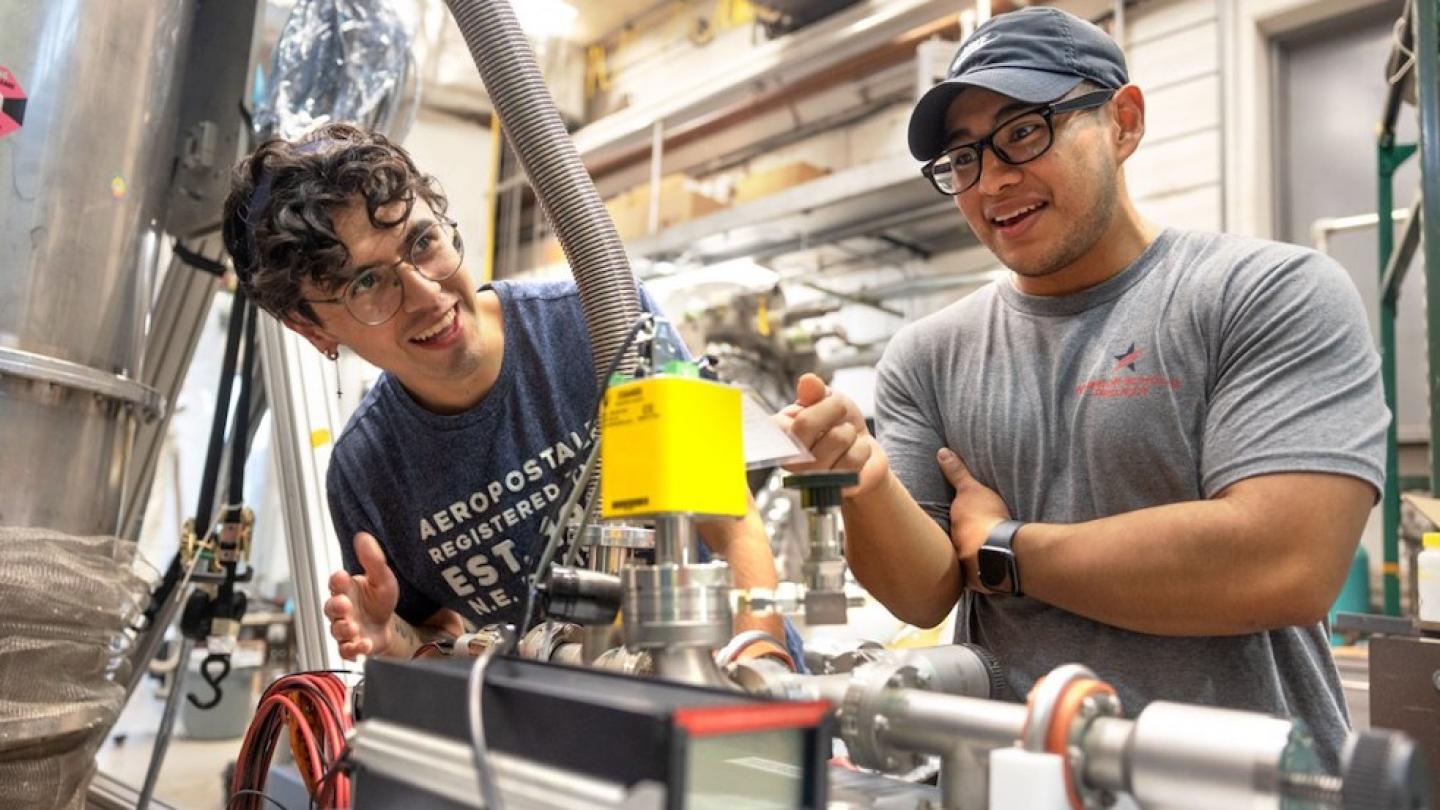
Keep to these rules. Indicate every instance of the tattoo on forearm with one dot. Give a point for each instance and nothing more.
(412, 637)
(405, 633)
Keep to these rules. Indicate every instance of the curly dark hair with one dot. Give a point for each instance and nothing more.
(293, 237)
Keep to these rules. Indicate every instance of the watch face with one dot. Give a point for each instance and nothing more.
(994, 567)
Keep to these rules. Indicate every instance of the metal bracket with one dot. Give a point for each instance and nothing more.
(1393, 155)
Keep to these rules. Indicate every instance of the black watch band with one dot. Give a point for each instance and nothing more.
(999, 571)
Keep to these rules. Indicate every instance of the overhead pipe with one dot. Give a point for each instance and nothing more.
(527, 112)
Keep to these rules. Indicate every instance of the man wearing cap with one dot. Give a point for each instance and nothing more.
(444, 481)
(1148, 450)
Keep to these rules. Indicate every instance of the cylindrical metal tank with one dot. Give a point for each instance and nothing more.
(82, 185)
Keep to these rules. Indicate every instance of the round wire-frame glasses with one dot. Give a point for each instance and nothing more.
(375, 295)
(1018, 140)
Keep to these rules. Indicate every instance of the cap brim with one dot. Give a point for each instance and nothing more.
(927, 122)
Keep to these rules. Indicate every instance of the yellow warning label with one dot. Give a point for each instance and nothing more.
(319, 438)
(672, 445)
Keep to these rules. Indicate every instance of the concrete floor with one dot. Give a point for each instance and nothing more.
(192, 777)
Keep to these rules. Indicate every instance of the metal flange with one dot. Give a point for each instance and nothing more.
(863, 724)
(617, 535)
(38, 367)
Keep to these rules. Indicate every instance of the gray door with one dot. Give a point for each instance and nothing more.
(1331, 84)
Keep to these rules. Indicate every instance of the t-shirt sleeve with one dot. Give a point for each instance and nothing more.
(414, 607)
(907, 424)
(1296, 378)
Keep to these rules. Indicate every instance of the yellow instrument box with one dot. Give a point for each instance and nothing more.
(672, 445)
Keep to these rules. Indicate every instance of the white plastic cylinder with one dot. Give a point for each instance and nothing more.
(1427, 565)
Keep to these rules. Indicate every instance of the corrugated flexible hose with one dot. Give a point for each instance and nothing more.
(527, 112)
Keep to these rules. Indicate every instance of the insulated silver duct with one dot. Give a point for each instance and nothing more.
(532, 121)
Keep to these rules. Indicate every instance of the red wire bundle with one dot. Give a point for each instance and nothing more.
(311, 705)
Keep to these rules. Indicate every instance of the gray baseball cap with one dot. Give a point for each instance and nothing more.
(1036, 54)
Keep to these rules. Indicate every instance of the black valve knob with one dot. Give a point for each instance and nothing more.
(821, 490)
(1384, 770)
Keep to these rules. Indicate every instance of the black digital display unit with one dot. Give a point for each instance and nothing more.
(709, 748)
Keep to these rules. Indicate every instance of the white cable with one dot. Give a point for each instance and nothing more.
(737, 645)
(489, 792)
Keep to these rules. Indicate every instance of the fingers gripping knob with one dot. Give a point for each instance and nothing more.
(821, 490)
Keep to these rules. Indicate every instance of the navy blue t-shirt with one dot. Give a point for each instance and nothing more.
(462, 503)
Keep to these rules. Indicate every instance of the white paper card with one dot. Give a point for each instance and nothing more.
(766, 443)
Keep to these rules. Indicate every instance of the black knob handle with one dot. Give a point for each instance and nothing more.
(819, 490)
(1384, 770)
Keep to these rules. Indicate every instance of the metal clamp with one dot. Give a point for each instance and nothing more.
(740, 642)
(614, 535)
(1061, 709)
(191, 543)
(864, 726)
(770, 678)
(38, 367)
(488, 639)
(544, 639)
(630, 662)
(1043, 700)
(1096, 699)
(233, 544)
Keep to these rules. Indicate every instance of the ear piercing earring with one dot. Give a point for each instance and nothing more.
(334, 356)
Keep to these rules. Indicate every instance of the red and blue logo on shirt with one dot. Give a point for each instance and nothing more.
(1130, 385)
(1127, 359)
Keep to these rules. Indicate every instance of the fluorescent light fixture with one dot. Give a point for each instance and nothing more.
(546, 19)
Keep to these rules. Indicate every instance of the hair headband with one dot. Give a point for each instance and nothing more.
(260, 199)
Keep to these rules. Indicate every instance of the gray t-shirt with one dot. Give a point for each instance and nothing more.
(1211, 359)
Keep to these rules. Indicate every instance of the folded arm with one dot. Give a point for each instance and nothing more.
(1267, 552)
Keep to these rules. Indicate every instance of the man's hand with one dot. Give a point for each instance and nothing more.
(831, 427)
(975, 511)
(361, 608)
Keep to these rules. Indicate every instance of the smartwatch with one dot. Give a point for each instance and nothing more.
(996, 559)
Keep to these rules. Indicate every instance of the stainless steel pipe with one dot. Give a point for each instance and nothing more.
(83, 184)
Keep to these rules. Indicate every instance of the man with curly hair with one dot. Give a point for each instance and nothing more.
(443, 483)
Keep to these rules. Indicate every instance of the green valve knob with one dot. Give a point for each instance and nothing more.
(821, 490)
(680, 368)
